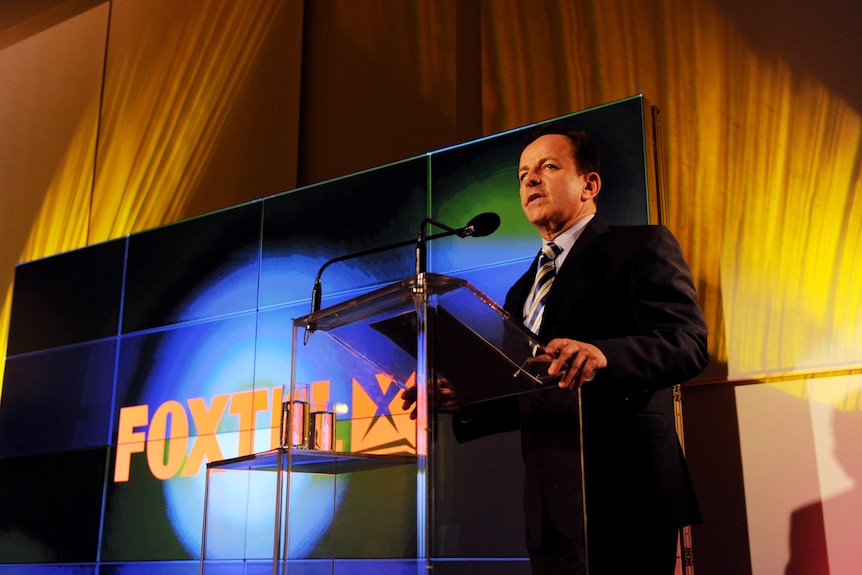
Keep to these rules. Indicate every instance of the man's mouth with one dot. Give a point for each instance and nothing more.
(534, 196)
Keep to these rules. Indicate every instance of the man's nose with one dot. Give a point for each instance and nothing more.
(532, 179)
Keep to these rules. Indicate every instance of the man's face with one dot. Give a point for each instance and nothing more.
(553, 194)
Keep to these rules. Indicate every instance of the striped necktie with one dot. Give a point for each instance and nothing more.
(542, 285)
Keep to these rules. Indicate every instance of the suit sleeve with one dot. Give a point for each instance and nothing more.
(669, 342)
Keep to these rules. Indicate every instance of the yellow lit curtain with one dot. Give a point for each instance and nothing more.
(763, 162)
(174, 72)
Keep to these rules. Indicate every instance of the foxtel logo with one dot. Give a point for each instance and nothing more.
(166, 444)
(163, 437)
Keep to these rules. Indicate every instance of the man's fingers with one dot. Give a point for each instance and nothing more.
(577, 361)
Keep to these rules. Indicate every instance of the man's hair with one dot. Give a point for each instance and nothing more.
(586, 153)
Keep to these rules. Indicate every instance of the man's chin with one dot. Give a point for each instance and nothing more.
(535, 215)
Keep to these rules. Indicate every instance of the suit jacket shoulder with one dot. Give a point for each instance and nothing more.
(629, 291)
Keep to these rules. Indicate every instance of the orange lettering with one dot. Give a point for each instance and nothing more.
(246, 404)
(206, 444)
(275, 418)
(166, 450)
(129, 441)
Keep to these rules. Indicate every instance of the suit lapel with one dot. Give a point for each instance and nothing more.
(567, 290)
(563, 292)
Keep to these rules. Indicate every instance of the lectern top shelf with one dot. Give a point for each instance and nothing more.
(380, 301)
(311, 461)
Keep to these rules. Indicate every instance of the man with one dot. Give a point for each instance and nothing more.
(622, 325)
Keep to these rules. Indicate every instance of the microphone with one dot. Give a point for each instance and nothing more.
(481, 225)
(484, 224)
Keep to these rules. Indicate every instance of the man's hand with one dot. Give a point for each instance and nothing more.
(445, 396)
(583, 359)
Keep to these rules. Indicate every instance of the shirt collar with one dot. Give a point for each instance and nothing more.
(568, 238)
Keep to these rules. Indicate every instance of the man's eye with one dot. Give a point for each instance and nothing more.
(550, 166)
(522, 176)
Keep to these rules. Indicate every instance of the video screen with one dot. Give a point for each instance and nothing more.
(135, 363)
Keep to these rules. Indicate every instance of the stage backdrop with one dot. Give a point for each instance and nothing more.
(132, 363)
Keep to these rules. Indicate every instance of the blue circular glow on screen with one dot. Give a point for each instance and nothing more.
(226, 356)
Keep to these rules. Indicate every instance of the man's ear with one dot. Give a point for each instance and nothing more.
(592, 186)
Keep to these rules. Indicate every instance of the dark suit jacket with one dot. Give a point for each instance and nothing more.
(627, 290)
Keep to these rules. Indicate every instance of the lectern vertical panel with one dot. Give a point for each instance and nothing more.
(426, 329)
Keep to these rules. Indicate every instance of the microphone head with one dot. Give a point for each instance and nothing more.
(484, 224)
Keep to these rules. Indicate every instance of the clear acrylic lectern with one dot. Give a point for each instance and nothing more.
(435, 335)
